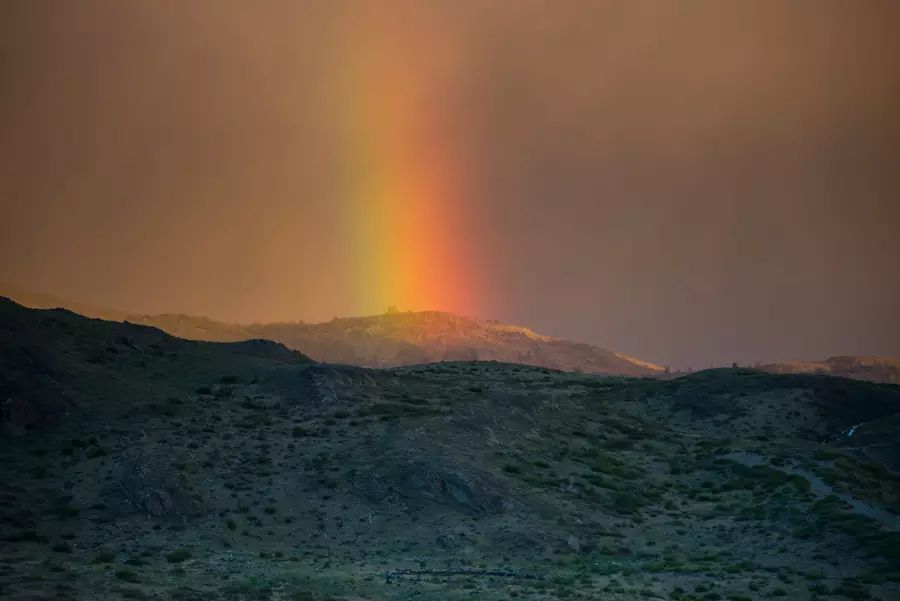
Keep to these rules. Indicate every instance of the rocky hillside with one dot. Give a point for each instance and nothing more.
(158, 468)
(875, 369)
(396, 339)
(389, 340)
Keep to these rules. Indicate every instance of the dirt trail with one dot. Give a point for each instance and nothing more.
(820, 487)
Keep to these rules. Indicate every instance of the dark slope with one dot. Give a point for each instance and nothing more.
(838, 402)
(54, 361)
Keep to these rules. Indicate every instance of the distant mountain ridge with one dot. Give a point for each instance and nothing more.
(402, 338)
(875, 369)
(389, 340)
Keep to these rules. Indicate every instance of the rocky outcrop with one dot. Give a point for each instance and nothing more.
(419, 486)
(147, 488)
(456, 489)
(318, 384)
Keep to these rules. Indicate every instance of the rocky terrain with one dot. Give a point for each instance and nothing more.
(136, 465)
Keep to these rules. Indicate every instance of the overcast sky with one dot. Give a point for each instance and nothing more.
(689, 181)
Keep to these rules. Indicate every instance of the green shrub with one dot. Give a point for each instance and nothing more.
(626, 502)
(127, 575)
(104, 556)
(178, 556)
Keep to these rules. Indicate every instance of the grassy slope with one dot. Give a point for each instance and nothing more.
(202, 471)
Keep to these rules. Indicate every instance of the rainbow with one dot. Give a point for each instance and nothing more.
(401, 171)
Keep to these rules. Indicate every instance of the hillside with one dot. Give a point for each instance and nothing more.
(54, 362)
(875, 369)
(397, 339)
(42, 300)
(388, 340)
(158, 468)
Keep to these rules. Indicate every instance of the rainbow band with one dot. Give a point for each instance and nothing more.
(401, 171)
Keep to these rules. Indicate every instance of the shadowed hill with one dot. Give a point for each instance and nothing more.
(840, 400)
(858, 415)
(41, 300)
(176, 469)
(387, 340)
(54, 361)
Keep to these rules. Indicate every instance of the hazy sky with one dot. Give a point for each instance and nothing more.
(690, 182)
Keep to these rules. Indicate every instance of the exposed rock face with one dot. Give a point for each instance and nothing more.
(457, 489)
(147, 488)
(419, 486)
(447, 541)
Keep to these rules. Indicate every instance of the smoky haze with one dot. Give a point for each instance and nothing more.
(690, 182)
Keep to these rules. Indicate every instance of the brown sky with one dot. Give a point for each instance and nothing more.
(690, 181)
